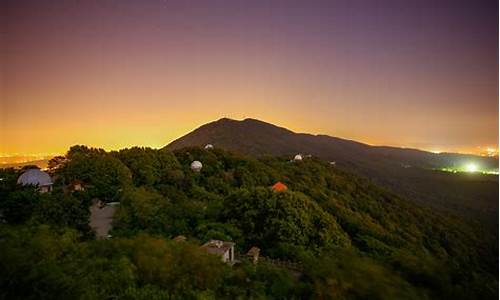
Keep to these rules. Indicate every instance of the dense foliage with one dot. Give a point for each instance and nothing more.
(352, 239)
(407, 172)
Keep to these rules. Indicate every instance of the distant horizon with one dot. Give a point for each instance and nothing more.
(21, 157)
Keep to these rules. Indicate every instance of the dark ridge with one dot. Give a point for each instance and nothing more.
(408, 172)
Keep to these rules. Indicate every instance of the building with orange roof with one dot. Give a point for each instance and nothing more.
(279, 187)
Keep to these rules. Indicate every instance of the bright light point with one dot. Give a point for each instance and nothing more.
(471, 168)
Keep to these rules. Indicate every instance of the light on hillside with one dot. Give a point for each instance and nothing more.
(471, 168)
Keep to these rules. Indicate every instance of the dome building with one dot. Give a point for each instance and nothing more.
(209, 146)
(196, 166)
(36, 178)
(297, 157)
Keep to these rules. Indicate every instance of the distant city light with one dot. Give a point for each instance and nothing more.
(491, 151)
(471, 168)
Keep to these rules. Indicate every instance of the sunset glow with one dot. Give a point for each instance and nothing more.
(115, 74)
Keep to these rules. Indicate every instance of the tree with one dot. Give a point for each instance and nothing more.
(104, 175)
(274, 219)
(19, 204)
(345, 275)
(63, 211)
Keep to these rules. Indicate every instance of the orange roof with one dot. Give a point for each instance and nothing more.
(279, 187)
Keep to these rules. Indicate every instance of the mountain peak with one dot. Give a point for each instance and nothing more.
(249, 120)
(225, 119)
(237, 135)
(246, 120)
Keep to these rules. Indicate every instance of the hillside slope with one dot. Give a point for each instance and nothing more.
(347, 238)
(408, 172)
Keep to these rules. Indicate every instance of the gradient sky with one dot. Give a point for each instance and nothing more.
(118, 73)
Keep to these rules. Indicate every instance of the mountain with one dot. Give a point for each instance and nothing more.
(408, 172)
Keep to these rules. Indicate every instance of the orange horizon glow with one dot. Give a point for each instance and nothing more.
(163, 140)
(116, 74)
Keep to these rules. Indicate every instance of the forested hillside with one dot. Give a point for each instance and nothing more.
(408, 172)
(351, 239)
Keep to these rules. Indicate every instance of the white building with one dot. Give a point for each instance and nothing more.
(196, 166)
(37, 178)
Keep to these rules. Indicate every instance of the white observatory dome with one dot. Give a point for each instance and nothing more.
(297, 157)
(196, 166)
(34, 177)
(209, 146)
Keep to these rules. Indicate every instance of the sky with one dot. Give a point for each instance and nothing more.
(119, 73)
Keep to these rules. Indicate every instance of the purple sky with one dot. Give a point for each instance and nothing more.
(120, 73)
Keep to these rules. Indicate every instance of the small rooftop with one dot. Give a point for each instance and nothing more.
(217, 246)
(279, 187)
(180, 238)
